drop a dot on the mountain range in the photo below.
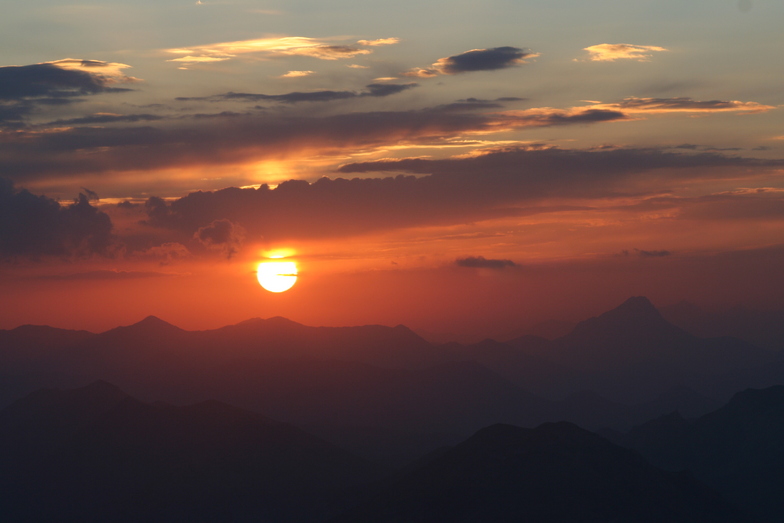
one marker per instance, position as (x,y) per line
(390,395)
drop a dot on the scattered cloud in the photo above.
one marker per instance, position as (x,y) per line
(101,275)
(380,41)
(222,235)
(61,79)
(652,254)
(475,60)
(375,90)
(104,118)
(613,52)
(266,47)
(479,262)
(357,66)
(296,74)
(37,226)
(419,72)
(683,105)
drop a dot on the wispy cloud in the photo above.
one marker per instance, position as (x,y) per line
(380,41)
(266,47)
(683,105)
(613,52)
(480,262)
(373,90)
(296,74)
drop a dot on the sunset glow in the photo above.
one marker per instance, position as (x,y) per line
(300,261)
(381,152)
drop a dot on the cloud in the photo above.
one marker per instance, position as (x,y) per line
(296,74)
(265,47)
(165,254)
(102,275)
(419,72)
(102,118)
(380,41)
(475,60)
(42,153)
(61,79)
(26,87)
(612,52)
(479,262)
(375,90)
(222,235)
(509,182)
(652,254)
(683,105)
(37,226)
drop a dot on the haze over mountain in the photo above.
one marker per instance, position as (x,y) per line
(402,394)
(556,472)
(96,454)
(735,449)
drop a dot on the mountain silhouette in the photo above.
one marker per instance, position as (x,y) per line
(556,472)
(632,353)
(111,457)
(388,394)
(762,328)
(149,326)
(735,449)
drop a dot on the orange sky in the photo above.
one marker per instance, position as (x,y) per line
(464,171)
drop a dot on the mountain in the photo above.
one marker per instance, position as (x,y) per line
(735,449)
(29,357)
(95,454)
(556,472)
(387,393)
(632,352)
(762,328)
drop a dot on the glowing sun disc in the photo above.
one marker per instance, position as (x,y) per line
(277,276)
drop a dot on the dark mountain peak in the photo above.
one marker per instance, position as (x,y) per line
(150,326)
(636,306)
(154,322)
(757,400)
(281,320)
(101,388)
(506,436)
(405,330)
(634,318)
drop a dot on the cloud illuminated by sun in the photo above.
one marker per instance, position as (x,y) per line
(380,41)
(296,74)
(612,52)
(111,72)
(266,47)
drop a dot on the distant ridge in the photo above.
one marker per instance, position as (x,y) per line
(557,472)
(149,325)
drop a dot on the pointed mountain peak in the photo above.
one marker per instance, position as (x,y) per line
(101,388)
(637,305)
(636,310)
(153,321)
(636,318)
(280,321)
(151,325)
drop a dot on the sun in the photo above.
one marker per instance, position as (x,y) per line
(277,276)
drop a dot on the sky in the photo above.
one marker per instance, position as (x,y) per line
(459,167)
